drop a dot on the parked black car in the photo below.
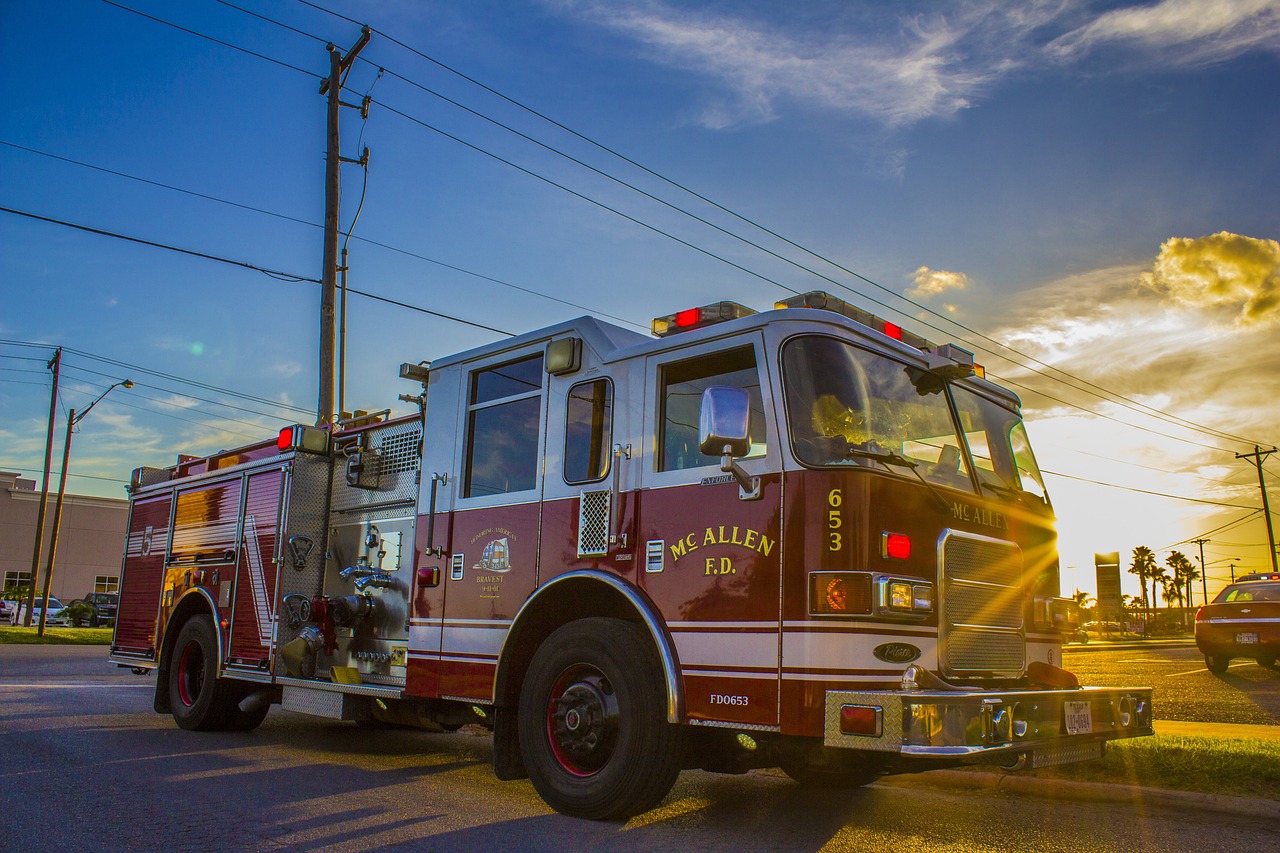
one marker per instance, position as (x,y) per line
(102,608)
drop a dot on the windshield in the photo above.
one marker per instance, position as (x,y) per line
(848,406)
(1250,592)
(998,443)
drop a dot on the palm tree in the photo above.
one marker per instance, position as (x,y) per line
(1183,571)
(1083,599)
(1144,561)
(1159,576)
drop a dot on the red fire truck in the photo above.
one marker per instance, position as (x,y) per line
(803,538)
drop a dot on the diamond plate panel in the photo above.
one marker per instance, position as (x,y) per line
(304,516)
(890,739)
(398,448)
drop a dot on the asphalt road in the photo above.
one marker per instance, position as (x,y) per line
(1182,688)
(85,763)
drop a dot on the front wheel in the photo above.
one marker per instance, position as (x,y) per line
(200,701)
(1217,663)
(593,721)
(1266,660)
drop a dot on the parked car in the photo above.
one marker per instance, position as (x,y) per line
(1242,622)
(8,610)
(53,617)
(1102,627)
(99,609)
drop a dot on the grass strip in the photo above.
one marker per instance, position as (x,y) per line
(1236,767)
(56,636)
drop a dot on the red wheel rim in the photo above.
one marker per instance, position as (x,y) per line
(582,720)
(190,673)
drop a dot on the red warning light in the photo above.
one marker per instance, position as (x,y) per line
(688,317)
(893,330)
(897,546)
(285,440)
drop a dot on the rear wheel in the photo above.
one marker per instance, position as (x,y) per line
(1216,663)
(200,701)
(593,721)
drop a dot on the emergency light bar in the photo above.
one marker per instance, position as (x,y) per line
(700,317)
(826,302)
(951,359)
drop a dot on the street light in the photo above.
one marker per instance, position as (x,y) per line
(72,420)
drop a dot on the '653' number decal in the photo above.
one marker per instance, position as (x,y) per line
(835,521)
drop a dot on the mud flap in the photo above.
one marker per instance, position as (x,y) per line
(161,701)
(508,763)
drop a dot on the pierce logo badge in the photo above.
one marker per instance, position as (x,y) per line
(896,652)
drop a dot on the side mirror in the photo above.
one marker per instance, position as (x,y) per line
(724,424)
(724,429)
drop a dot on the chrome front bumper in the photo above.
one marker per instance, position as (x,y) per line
(1033,727)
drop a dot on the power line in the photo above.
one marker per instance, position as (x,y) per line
(244,264)
(366,240)
(1142,491)
(282,276)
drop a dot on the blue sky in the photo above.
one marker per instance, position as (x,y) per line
(1091,183)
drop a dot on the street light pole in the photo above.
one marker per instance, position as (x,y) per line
(72,420)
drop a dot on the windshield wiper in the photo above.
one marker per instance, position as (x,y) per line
(888,457)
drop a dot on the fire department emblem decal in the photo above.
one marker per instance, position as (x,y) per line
(495,557)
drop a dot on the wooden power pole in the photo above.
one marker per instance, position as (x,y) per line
(1257,456)
(332,87)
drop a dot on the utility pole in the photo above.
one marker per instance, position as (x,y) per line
(1258,455)
(332,87)
(1204,583)
(55,364)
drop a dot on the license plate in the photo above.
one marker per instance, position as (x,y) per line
(1247,639)
(1079,718)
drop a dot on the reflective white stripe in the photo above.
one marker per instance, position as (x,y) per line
(730,649)
(849,651)
(477,640)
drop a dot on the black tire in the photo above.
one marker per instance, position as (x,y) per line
(198,699)
(593,721)
(1217,663)
(1267,661)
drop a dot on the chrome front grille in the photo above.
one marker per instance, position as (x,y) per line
(981,632)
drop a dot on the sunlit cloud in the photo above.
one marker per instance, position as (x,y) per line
(1153,335)
(931,282)
(1225,270)
(1184,32)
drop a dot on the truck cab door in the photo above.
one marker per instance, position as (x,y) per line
(712,555)
(490,416)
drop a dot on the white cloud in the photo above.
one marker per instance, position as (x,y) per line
(902,63)
(1184,32)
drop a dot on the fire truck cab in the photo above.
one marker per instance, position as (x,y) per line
(802,539)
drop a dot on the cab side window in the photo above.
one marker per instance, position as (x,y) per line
(681,394)
(503,411)
(588,431)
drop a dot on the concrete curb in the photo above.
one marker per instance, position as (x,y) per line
(1091,792)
